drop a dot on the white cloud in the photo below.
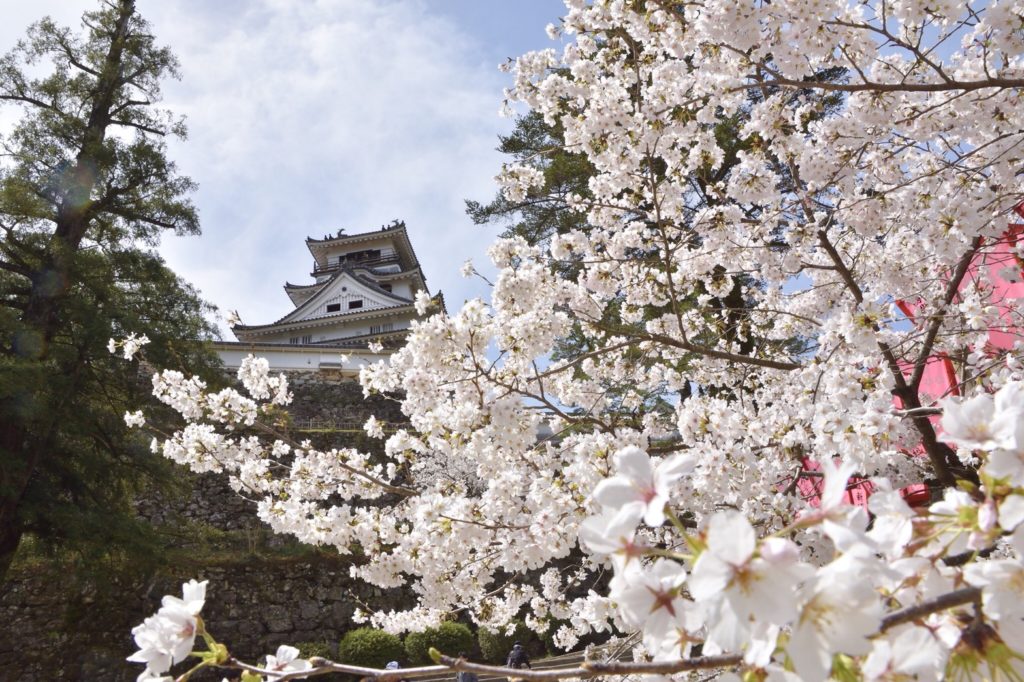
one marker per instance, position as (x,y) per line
(309,117)
(306,117)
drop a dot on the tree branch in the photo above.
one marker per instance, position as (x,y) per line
(959,597)
(721,355)
(139,126)
(936,322)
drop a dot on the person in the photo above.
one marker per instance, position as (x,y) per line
(393,665)
(465,675)
(517,658)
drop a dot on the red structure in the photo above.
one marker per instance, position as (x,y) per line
(1004,288)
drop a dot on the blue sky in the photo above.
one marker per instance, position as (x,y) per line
(306,116)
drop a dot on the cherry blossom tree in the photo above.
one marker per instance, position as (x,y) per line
(878,338)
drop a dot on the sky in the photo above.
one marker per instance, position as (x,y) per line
(309,116)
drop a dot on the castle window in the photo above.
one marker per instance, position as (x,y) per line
(352,305)
(333,307)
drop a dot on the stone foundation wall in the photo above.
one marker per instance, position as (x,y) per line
(68,627)
(79,629)
(327,411)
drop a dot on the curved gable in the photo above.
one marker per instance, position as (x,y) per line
(344,293)
(299,293)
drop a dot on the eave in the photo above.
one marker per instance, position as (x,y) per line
(326,321)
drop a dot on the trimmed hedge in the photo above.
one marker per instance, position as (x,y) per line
(449,638)
(495,645)
(370,648)
(310,649)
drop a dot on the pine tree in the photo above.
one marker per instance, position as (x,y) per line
(85,194)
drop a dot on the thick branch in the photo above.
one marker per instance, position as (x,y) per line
(936,322)
(69,53)
(938,454)
(139,126)
(33,101)
(869,86)
(590,669)
(721,355)
(940,603)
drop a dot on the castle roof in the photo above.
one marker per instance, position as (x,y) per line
(356,274)
(395,232)
(326,320)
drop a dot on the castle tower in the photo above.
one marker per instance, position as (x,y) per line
(363,294)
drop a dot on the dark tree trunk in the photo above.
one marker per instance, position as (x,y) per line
(10,538)
(20,447)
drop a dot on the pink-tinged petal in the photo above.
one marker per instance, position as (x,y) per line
(847,530)
(710,576)
(1011,512)
(762,645)
(617,492)
(675,467)
(916,651)
(1010,398)
(836,478)
(779,551)
(1005,464)
(194,594)
(731,537)
(670,573)
(610,532)
(812,660)
(968,422)
(654,511)
(1017,541)
(635,464)
(726,633)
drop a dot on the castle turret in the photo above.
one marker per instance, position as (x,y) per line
(363,294)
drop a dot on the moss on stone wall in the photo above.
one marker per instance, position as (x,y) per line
(65,620)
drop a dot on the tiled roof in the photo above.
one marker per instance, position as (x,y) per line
(326,319)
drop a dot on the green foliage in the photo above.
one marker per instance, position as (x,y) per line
(311,649)
(545,211)
(86,191)
(495,645)
(448,638)
(370,648)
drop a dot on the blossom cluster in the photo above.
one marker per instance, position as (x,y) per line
(167,637)
(129,346)
(799,250)
(734,591)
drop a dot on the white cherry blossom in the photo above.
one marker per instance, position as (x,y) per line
(642,484)
(286,660)
(796,250)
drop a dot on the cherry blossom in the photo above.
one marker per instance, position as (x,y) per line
(641,484)
(167,637)
(798,231)
(286,660)
(130,345)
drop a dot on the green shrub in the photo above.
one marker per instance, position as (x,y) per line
(369,647)
(449,638)
(311,649)
(495,645)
